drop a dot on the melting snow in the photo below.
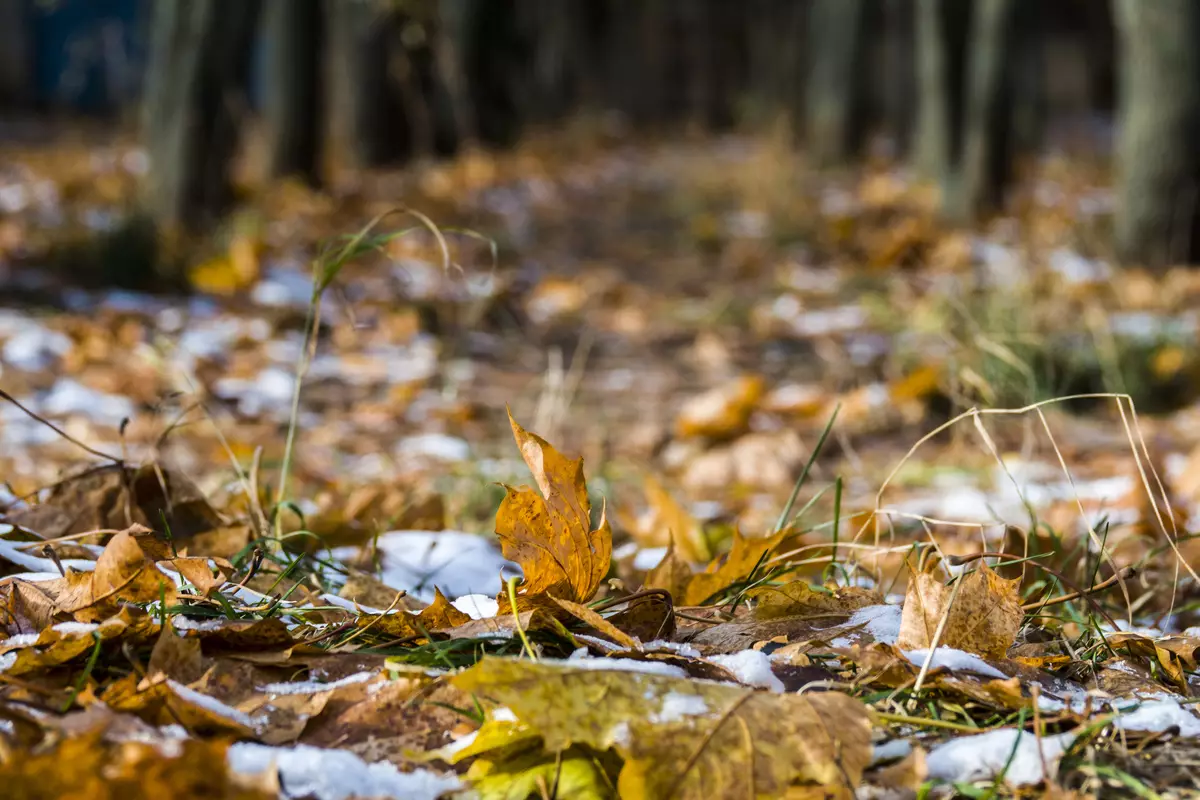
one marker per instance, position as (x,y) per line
(20,640)
(882,622)
(76,628)
(14,553)
(676,706)
(984,757)
(311,687)
(210,704)
(1159,714)
(580,660)
(306,771)
(477,606)
(954,660)
(458,563)
(751,667)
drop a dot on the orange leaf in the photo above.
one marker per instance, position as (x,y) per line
(549,534)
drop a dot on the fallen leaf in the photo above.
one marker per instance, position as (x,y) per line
(440,615)
(599,623)
(682,738)
(723,412)
(800,598)
(744,555)
(550,534)
(983,619)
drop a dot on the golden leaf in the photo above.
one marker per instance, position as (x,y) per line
(582,612)
(744,555)
(681,738)
(550,534)
(983,618)
(438,616)
(798,597)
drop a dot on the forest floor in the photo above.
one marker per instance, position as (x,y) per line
(869,505)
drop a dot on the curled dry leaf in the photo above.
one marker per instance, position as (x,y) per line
(549,534)
(983,618)
(722,412)
(684,739)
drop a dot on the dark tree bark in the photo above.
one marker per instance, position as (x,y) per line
(16,58)
(294,87)
(1158,161)
(835,97)
(195,104)
(988,141)
(368,126)
(941,35)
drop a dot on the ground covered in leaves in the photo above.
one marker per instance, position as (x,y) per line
(873,507)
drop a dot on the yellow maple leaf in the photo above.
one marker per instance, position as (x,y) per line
(744,555)
(550,534)
(681,738)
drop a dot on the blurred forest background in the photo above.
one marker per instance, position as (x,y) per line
(967,94)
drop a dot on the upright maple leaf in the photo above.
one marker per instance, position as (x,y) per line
(550,534)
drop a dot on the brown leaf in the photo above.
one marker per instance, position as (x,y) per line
(440,615)
(670,522)
(672,574)
(648,618)
(116,497)
(123,573)
(744,556)
(603,626)
(175,657)
(983,619)
(197,572)
(550,534)
(799,598)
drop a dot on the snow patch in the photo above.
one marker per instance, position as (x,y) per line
(477,606)
(676,706)
(984,757)
(311,687)
(306,771)
(1160,714)
(459,563)
(954,660)
(882,622)
(585,662)
(751,667)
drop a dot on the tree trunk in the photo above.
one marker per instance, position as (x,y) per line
(1158,162)
(941,34)
(16,73)
(195,102)
(368,126)
(294,87)
(987,155)
(834,101)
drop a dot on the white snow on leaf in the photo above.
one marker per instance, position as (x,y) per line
(954,660)
(306,771)
(7,660)
(882,622)
(1021,757)
(585,662)
(210,703)
(676,706)
(751,667)
(76,628)
(311,687)
(503,714)
(20,640)
(477,606)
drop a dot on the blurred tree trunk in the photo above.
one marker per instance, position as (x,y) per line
(941,36)
(368,128)
(987,128)
(834,96)
(16,58)
(899,74)
(294,87)
(195,103)
(1158,162)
